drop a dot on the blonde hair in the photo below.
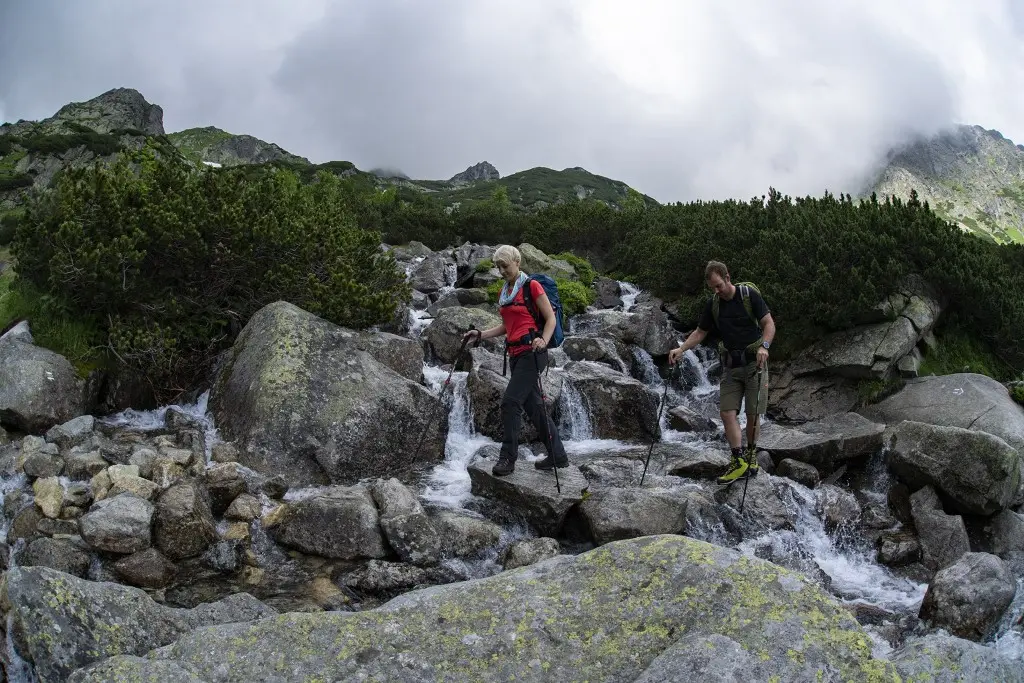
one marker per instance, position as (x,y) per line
(507,254)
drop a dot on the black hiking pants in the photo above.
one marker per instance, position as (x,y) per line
(523,393)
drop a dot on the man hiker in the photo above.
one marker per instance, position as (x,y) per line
(746,328)
(528,357)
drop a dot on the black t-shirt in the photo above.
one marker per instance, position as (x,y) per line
(736,328)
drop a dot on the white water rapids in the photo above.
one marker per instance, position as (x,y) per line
(854,575)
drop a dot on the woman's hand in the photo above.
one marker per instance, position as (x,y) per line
(469,335)
(539,344)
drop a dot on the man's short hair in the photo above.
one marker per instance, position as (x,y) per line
(716,268)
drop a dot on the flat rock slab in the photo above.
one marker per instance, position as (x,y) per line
(529,491)
(604,615)
(824,443)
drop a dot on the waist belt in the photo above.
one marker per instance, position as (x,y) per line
(738,358)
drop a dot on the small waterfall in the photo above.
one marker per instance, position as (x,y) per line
(7,486)
(629,294)
(574,423)
(449,484)
(644,368)
(1009,637)
(152,420)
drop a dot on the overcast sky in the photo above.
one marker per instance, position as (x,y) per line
(682,99)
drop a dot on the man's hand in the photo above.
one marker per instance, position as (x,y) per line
(762,357)
(674,355)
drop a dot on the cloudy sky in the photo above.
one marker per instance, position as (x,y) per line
(682,99)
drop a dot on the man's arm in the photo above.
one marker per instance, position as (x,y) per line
(768,327)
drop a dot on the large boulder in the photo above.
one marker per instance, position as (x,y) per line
(646,326)
(536,262)
(965,400)
(338,522)
(435,272)
(968,598)
(121,524)
(618,513)
(978,472)
(38,387)
(301,399)
(530,493)
(444,336)
(619,406)
(608,614)
(825,443)
(61,623)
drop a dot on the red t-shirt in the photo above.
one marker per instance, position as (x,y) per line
(517,319)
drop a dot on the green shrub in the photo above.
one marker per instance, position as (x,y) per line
(78,339)
(957,351)
(8,225)
(584,270)
(175,262)
(6,145)
(1017,393)
(484,266)
(575,296)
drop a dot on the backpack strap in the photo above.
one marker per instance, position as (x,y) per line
(531,306)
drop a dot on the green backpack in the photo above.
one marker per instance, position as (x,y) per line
(744,290)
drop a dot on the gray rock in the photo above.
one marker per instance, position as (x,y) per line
(810,398)
(147,569)
(943,658)
(476,297)
(444,336)
(984,482)
(404,523)
(244,508)
(609,293)
(598,350)
(531,493)
(433,273)
(800,472)
(225,557)
(42,465)
(898,548)
(224,482)
(529,551)
(349,416)
(943,537)
(464,534)
(616,514)
(337,522)
(603,615)
(72,433)
(59,554)
(825,443)
(84,465)
(683,419)
(401,354)
(762,502)
(184,525)
(838,508)
(689,461)
(536,262)
(38,388)
(968,598)
(1006,533)
(965,400)
(619,406)
(64,623)
(646,326)
(118,525)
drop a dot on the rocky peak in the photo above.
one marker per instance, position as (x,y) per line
(481,171)
(215,146)
(967,174)
(120,108)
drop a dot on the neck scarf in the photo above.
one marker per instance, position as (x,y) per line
(506,296)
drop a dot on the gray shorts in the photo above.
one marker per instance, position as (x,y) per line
(740,384)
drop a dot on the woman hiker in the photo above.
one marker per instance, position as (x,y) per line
(528,357)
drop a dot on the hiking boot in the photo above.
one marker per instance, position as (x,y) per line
(548,463)
(752,465)
(506,465)
(738,470)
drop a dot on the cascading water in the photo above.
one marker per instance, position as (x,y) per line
(629,293)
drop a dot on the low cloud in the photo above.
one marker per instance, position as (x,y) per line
(681,100)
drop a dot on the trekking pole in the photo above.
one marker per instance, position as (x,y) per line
(757,423)
(550,424)
(440,396)
(664,400)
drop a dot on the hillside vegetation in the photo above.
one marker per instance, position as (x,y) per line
(164,267)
